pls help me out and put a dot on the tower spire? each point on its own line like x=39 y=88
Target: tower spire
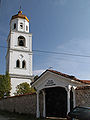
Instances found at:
x=20 y=8
x=20 y=5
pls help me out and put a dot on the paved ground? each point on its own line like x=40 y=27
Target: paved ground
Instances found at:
x=56 y=118
x=9 y=116
x=3 y=118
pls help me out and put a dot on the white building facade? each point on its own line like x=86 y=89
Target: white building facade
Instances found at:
x=19 y=52
x=58 y=92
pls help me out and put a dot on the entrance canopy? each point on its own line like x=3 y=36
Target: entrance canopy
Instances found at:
x=57 y=88
x=52 y=78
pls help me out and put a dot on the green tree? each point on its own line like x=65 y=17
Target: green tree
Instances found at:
x=24 y=88
x=5 y=85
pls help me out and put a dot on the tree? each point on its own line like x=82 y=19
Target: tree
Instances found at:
x=5 y=85
x=24 y=88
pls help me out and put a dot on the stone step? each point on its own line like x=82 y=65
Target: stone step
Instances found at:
x=56 y=118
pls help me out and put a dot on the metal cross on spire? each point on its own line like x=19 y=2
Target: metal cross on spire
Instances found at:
x=20 y=5
x=0 y=3
x=20 y=8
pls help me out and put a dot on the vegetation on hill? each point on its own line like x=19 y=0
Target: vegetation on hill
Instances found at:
x=5 y=85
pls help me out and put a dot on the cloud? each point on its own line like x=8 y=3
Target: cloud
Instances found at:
x=78 y=66
x=38 y=72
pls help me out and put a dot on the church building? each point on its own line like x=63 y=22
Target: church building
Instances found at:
x=19 y=52
x=56 y=93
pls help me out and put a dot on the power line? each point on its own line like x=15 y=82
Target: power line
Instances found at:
x=3 y=46
x=58 y=53
x=69 y=54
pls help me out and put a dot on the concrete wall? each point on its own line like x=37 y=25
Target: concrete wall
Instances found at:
x=83 y=97
x=20 y=104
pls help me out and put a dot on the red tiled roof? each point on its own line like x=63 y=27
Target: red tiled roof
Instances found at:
x=20 y=95
x=64 y=75
x=70 y=76
x=83 y=88
x=86 y=81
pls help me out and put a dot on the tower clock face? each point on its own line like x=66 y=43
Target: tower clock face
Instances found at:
x=20 y=56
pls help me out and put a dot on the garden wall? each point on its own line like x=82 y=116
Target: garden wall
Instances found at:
x=83 y=97
x=20 y=104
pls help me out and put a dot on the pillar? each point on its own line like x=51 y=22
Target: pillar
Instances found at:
x=74 y=97
x=68 y=98
x=68 y=101
x=37 y=112
x=44 y=104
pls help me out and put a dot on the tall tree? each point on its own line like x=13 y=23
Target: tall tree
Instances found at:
x=24 y=88
x=5 y=85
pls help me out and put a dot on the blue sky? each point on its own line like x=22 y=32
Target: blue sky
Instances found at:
x=56 y=25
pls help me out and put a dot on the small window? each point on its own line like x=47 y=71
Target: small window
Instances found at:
x=23 y=64
x=9 y=43
x=18 y=64
x=14 y=25
x=21 y=25
x=21 y=41
x=26 y=28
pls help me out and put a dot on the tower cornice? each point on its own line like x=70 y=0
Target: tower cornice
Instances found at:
x=20 y=15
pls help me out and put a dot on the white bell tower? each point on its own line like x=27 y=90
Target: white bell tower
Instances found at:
x=19 y=53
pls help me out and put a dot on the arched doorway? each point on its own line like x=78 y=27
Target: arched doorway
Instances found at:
x=56 y=102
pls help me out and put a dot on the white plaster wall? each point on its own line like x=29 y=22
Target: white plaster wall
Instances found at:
x=17 y=81
x=14 y=41
x=19 y=75
x=18 y=28
x=58 y=81
x=7 y=62
x=16 y=51
x=12 y=24
x=14 y=56
x=25 y=22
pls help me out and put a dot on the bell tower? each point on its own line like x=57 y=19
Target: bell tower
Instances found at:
x=19 y=52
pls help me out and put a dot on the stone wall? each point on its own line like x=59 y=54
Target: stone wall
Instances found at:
x=83 y=97
x=27 y=103
x=20 y=104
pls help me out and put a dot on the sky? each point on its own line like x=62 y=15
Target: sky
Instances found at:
x=61 y=26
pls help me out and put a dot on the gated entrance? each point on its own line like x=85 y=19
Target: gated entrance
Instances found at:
x=56 y=102
x=58 y=94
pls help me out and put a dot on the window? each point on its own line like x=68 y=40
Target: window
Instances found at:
x=26 y=28
x=18 y=64
x=9 y=43
x=21 y=25
x=21 y=41
x=23 y=64
x=14 y=25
